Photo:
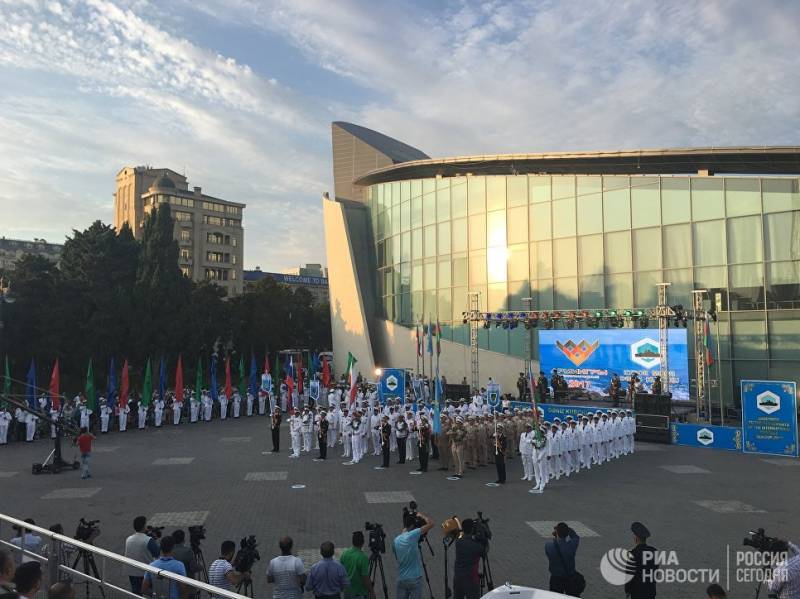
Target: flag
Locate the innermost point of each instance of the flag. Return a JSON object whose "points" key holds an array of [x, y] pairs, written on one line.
{"points": [[438, 338], [179, 379], [147, 385], [6, 381], [228, 385], [112, 382], [198, 379], [124, 387], [162, 378], [277, 378], [351, 373], [55, 384], [707, 342], [253, 376], [214, 389], [242, 379], [91, 398], [30, 387], [289, 381], [299, 374], [326, 372], [437, 404], [419, 341], [266, 363], [430, 338]]}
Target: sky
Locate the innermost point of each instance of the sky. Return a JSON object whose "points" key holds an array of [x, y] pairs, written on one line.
{"points": [[239, 94]]}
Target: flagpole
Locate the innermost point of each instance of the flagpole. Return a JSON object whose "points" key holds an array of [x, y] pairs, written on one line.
{"points": [[719, 381], [422, 348], [416, 347]]}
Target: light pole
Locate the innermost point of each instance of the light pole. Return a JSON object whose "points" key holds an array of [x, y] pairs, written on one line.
{"points": [[529, 346]]}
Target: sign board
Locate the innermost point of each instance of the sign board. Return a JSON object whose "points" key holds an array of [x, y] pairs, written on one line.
{"points": [[313, 390], [493, 394], [393, 384], [560, 411], [707, 436], [587, 358], [769, 417]]}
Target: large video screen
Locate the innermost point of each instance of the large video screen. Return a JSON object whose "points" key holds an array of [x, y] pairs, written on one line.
{"points": [[588, 358]]}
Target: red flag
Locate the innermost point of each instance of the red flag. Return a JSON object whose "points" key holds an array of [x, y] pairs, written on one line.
{"points": [[289, 384], [179, 380], [266, 363], [55, 381], [228, 391], [125, 386], [326, 372], [299, 372]]}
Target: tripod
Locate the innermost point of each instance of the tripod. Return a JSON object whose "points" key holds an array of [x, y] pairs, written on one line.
{"points": [[424, 565], [245, 587], [201, 563], [446, 542], [375, 568], [485, 572], [88, 565]]}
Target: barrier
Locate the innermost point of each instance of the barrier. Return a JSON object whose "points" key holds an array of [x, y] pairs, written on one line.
{"points": [[707, 436]]}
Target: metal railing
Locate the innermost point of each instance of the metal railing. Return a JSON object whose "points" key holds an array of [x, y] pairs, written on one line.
{"points": [[62, 555]]}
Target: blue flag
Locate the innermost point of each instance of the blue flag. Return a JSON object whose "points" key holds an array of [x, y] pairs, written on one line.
{"points": [[112, 383], [162, 379], [214, 390], [437, 404], [30, 387], [430, 338], [253, 376]]}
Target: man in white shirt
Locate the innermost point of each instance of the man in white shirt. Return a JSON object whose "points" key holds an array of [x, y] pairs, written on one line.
{"points": [[158, 411], [27, 541], [105, 415], [223, 406], [177, 408], [141, 548], [375, 431], [237, 404], [5, 423], [122, 417], [250, 400], [295, 428], [526, 451], [286, 572], [221, 573]]}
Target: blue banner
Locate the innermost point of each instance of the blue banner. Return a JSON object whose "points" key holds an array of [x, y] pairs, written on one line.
{"points": [[560, 411], [588, 358], [769, 417], [393, 384], [706, 435]]}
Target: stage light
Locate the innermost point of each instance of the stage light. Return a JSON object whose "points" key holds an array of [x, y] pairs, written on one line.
{"points": [[628, 313], [612, 313], [555, 316], [598, 314], [378, 372], [514, 324], [584, 314]]}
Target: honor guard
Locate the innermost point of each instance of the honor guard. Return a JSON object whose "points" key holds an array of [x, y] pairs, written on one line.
{"points": [[295, 430], [237, 404], [177, 408], [105, 415], [275, 429], [250, 400], [223, 406], [322, 434], [158, 411], [5, 423]]}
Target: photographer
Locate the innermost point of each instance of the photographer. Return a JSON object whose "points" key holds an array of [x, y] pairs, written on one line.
{"points": [[142, 548], [162, 587], [221, 573], [785, 581], [356, 563], [560, 553], [469, 551], [409, 559]]}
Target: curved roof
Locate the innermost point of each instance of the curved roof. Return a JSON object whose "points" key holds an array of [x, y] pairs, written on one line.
{"points": [[397, 151], [755, 160], [163, 182]]}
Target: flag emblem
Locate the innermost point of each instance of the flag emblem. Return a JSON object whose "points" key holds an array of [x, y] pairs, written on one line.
{"points": [[578, 353]]}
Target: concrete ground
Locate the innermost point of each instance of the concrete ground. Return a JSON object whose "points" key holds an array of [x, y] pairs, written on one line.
{"points": [[699, 503]]}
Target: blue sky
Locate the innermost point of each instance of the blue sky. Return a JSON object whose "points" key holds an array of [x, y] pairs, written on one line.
{"points": [[239, 94]]}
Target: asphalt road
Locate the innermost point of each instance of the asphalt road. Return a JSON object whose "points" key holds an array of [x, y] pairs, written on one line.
{"points": [[698, 503]]}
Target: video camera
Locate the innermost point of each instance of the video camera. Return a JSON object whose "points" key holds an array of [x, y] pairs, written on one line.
{"points": [[247, 554], [154, 532], [761, 542], [481, 531], [377, 537], [87, 530], [419, 521], [196, 534]]}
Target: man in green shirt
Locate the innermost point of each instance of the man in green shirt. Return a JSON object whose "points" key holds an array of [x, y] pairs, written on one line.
{"points": [[356, 564]]}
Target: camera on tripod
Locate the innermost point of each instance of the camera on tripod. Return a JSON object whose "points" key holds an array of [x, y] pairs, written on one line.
{"points": [[154, 532], [377, 537], [481, 531], [196, 534], [419, 521], [87, 530], [761, 542], [247, 554]]}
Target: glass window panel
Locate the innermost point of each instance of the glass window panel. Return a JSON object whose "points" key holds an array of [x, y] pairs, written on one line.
{"points": [[711, 278], [566, 293], [430, 275], [460, 271], [405, 216], [416, 244], [742, 196], [417, 306], [645, 202], [565, 257], [416, 277], [460, 303], [444, 279], [677, 246], [541, 260], [540, 222], [395, 193], [746, 287], [405, 190], [430, 241], [442, 183], [616, 203], [645, 288], [517, 189], [518, 224], [405, 308], [396, 249], [542, 293], [518, 261], [443, 204], [675, 200], [498, 295], [618, 252], [680, 289], [429, 209], [477, 231], [782, 235], [749, 338], [497, 264], [564, 218], [540, 189], [477, 268], [783, 285], [646, 248], [416, 212], [405, 277], [498, 340], [458, 197], [496, 228], [428, 185], [744, 239], [780, 194], [430, 304], [476, 195], [619, 291], [445, 303], [563, 187], [444, 238], [590, 205], [416, 188], [708, 199], [396, 220], [388, 307], [784, 337], [495, 193], [709, 243], [459, 237], [592, 292], [405, 247], [517, 290], [590, 255]]}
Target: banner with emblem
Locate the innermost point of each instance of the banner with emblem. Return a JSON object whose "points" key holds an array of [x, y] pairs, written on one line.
{"points": [[769, 417], [493, 395], [393, 384], [707, 436], [313, 390]]}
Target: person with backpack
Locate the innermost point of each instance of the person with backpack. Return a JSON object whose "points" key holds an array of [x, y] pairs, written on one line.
{"points": [[561, 552]]}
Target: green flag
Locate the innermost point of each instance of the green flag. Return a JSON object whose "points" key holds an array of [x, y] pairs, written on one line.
{"points": [[91, 400], [198, 381], [6, 382], [242, 379], [147, 385]]}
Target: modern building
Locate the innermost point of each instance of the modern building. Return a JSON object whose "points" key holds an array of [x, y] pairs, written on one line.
{"points": [[11, 250], [315, 284], [208, 230], [408, 237]]}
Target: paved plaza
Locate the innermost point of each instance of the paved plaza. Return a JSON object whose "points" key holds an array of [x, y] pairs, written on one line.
{"points": [[221, 474]]}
